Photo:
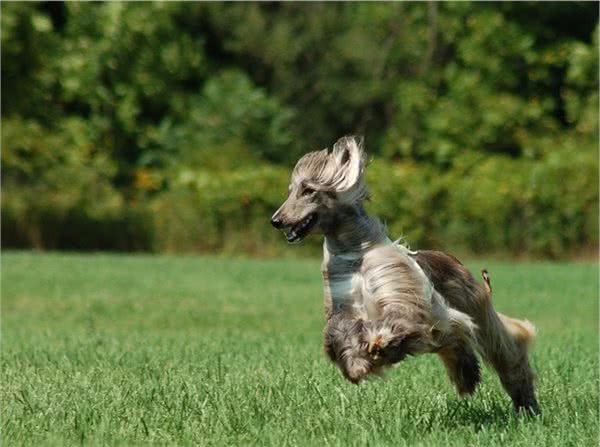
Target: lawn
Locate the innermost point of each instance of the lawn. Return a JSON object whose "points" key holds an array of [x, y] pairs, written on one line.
{"points": [[132, 350]]}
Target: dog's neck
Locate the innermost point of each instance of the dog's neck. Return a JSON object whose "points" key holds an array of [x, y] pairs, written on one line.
{"points": [[352, 230]]}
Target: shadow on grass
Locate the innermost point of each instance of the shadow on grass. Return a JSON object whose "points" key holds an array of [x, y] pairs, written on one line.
{"points": [[480, 415]]}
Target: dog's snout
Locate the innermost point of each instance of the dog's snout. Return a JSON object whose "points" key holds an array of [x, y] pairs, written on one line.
{"points": [[276, 222]]}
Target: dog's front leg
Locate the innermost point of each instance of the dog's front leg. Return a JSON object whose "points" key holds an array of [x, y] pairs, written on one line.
{"points": [[346, 345], [393, 338]]}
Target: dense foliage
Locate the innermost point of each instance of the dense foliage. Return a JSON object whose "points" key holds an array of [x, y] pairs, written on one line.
{"points": [[173, 126]]}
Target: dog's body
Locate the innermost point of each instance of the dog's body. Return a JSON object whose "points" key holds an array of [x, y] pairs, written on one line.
{"points": [[384, 302]]}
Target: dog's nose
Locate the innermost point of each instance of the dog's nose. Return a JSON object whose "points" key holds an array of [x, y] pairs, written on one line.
{"points": [[276, 222]]}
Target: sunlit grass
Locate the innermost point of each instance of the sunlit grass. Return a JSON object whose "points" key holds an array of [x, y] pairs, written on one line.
{"points": [[106, 349]]}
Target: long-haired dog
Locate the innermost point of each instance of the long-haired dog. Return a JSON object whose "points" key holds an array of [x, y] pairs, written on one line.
{"points": [[384, 302]]}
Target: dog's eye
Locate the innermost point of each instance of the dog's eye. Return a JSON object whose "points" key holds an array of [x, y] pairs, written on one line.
{"points": [[308, 191]]}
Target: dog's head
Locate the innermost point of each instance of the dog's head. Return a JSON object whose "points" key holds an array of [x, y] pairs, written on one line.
{"points": [[322, 182]]}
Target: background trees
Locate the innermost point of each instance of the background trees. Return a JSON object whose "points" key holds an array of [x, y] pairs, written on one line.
{"points": [[171, 126]]}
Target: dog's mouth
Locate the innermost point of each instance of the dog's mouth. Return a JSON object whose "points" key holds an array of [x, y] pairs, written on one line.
{"points": [[299, 231]]}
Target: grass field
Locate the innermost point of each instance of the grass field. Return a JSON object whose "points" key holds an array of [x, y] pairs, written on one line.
{"points": [[131, 350]]}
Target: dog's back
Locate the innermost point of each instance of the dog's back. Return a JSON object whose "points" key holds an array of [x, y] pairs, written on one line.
{"points": [[452, 279]]}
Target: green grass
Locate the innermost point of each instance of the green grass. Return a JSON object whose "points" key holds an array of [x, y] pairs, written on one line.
{"points": [[124, 350]]}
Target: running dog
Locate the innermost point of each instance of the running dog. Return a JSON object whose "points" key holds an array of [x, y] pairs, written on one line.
{"points": [[384, 302]]}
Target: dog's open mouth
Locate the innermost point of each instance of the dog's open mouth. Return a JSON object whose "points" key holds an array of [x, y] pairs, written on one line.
{"points": [[300, 230]]}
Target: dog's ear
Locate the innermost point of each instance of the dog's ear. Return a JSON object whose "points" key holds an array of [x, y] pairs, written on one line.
{"points": [[349, 158]]}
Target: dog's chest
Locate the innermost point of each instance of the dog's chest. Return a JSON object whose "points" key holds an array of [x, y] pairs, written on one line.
{"points": [[345, 288]]}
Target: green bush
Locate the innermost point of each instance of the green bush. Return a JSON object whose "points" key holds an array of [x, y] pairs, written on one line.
{"points": [[225, 212], [58, 192], [40, 225], [546, 208]]}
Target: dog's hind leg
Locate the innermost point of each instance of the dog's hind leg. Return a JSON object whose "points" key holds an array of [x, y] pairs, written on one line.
{"points": [[456, 334], [462, 366], [505, 343]]}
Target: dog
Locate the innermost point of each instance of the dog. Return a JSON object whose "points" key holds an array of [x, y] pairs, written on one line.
{"points": [[384, 302]]}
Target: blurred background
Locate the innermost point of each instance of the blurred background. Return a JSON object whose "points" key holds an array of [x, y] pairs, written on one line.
{"points": [[172, 127]]}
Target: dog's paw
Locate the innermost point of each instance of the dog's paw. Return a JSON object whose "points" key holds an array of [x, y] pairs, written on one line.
{"points": [[375, 347], [380, 345], [357, 369]]}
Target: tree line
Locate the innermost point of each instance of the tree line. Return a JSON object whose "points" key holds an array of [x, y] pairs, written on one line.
{"points": [[172, 126]]}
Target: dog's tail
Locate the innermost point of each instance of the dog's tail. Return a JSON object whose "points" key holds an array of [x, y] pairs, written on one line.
{"points": [[487, 282]]}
